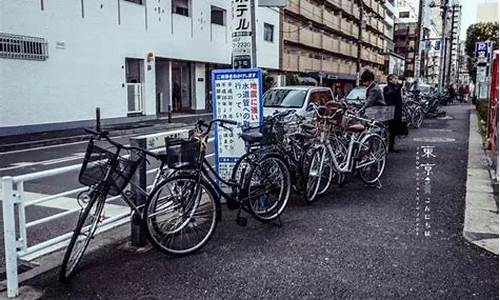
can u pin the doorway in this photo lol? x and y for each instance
(181, 86)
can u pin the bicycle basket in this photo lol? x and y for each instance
(182, 153)
(99, 161)
(273, 133)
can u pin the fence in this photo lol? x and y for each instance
(15, 200)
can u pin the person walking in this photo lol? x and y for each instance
(392, 96)
(374, 95)
(461, 93)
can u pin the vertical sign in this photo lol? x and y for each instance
(242, 34)
(237, 97)
(483, 56)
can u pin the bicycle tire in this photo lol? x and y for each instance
(278, 207)
(380, 156)
(69, 265)
(190, 206)
(313, 175)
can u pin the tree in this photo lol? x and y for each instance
(479, 32)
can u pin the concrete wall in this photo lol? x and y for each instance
(89, 71)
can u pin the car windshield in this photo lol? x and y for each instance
(356, 94)
(289, 98)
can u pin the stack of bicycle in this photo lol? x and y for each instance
(290, 152)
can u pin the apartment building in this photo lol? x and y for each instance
(135, 59)
(321, 38)
(454, 42)
(406, 39)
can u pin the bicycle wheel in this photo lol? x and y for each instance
(83, 233)
(371, 159)
(181, 214)
(267, 188)
(418, 118)
(313, 175)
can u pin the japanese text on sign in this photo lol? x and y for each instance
(237, 96)
(241, 34)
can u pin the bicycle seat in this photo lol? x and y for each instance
(252, 137)
(356, 128)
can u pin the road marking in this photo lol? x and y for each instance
(434, 139)
(17, 165)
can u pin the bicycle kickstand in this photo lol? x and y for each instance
(378, 185)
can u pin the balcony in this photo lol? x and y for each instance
(293, 6)
(291, 62)
(311, 11)
(331, 20)
(347, 6)
(336, 3)
(305, 63)
(291, 32)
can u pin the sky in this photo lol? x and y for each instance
(469, 9)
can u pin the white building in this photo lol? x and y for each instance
(135, 59)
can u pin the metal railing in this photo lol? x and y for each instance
(15, 202)
(23, 47)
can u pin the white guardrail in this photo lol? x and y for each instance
(15, 200)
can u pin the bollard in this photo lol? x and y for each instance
(137, 230)
(97, 119)
(169, 114)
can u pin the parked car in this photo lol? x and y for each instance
(294, 97)
(356, 97)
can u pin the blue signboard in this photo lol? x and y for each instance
(237, 96)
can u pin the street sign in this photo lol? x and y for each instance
(241, 34)
(482, 51)
(237, 97)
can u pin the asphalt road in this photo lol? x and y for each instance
(355, 243)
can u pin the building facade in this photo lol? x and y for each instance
(321, 38)
(135, 59)
(406, 39)
(487, 12)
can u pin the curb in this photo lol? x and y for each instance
(78, 138)
(481, 211)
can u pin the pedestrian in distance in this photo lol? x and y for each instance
(461, 93)
(374, 95)
(451, 93)
(466, 93)
(392, 96)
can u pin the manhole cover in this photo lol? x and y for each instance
(434, 139)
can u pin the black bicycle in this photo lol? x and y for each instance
(262, 189)
(179, 218)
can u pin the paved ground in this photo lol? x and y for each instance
(355, 243)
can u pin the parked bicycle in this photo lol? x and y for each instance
(262, 189)
(178, 217)
(346, 145)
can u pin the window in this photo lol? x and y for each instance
(218, 15)
(23, 47)
(268, 32)
(404, 14)
(181, 7)
(136, 1)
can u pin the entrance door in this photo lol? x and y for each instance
(134, 73)
(181, 86)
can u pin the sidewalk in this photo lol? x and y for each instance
(25, 141)
(481, 210)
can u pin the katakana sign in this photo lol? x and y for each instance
(237, 96)
(241, 34)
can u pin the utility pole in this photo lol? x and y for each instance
(442, 64)
(452, 38)
(418, 59)
(254, 33)
(360, 29)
